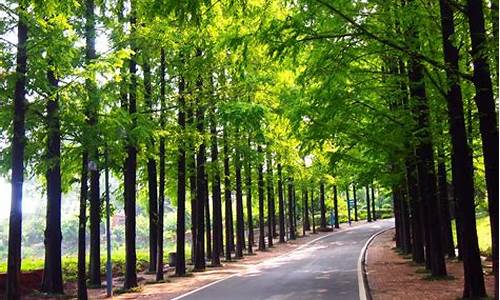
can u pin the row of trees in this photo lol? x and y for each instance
(262, 101)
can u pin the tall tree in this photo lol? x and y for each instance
(248, 175)
(368, 206)
(281, 204)
(52, 273)
(322, 206)
(291, 225)
(216, 190)
(336, 206)
(13, 288)
(227, 198)
(260, 187)
(240, 227)
(488, 127)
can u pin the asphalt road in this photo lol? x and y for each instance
(324, 269)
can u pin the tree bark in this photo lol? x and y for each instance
(248, 174)
(227, 195)
(322, 206)
(152, 179)
(17, 162)
(291, 210)
(161, 187)
(355, 202)
(488, 127)
(444, 209)
(270, 199)
(240, 226)
(130, 171)
(374, 214)
(82, 220)
(260, 187)
(368, 208)
(216, 191)
(336, 206)
(281, 204)
(180, 262)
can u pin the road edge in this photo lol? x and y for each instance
(363, 286)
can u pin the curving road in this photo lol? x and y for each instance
(324, 269)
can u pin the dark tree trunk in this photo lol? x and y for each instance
(313, 213)
(355, 202)
(322, 207)
(180, 262)
(271, 194)
(208, 226)
(457, 214)
(374, 213)
(415, 208)
(335, 206)
(227, 195)
(240, 227)
(199, 256)
(191, 166)
(425, 166)
(488, 127)
(161, 188)
(405, 221)
(248, 175)
(291, 210)
(348, 205)
(260, 187)
(130, 173)
(152, 179)
(368, 208)
(52, 273)
(82, 220)
(304, 212)
(307, 222)
(281, 205)
(216, 191)
(444, 209)
(396, 207)
(294, 209)
(91, 114)
(270, 199)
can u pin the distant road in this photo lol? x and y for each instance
(324, 269)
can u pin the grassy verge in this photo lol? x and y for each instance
(483, 234)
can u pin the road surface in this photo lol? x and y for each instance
(324, 269)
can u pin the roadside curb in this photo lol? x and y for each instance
(363, 286)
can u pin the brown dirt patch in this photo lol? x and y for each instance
(392, 276)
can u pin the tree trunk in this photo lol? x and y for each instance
(322, 206)
(307, 222)
(335, 206)
(152, 180)
(281, 205)
(161, 188)
(17, 163)
(313, 211)
(418, 254)
(291, 210)
(216, 191)
(248, 174)
(488, 127)
(240, 227)
(355, 202)
(130, 172)
(374, 213)
(260, 187)
(444, 209)
(180, 262)
(270, 199)
(82, 220)
(425, 165)
(368, 208)
(208, 226)
(348, 205)
(227, 196)
(199, 256)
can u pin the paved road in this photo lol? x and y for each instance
(325, 269)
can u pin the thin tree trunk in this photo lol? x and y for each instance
(374, 213)
(240, 227)
(322, 206)
(444, 208)
(270, 199)
(216, 190)
(161, 188)
(227, 196)
(180, 262)
(488, 127)
(248, 174)
(291, 210)
(281, 205)
(313, 213)
(152, 179)
(52, 273)
(208, 226)
(335, 206)
(82, 220)
(130, 172)
(368, 208)
(348, 205)
(307, 221)
(355, 202)
(262, 243)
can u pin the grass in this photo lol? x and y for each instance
(483, 234)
